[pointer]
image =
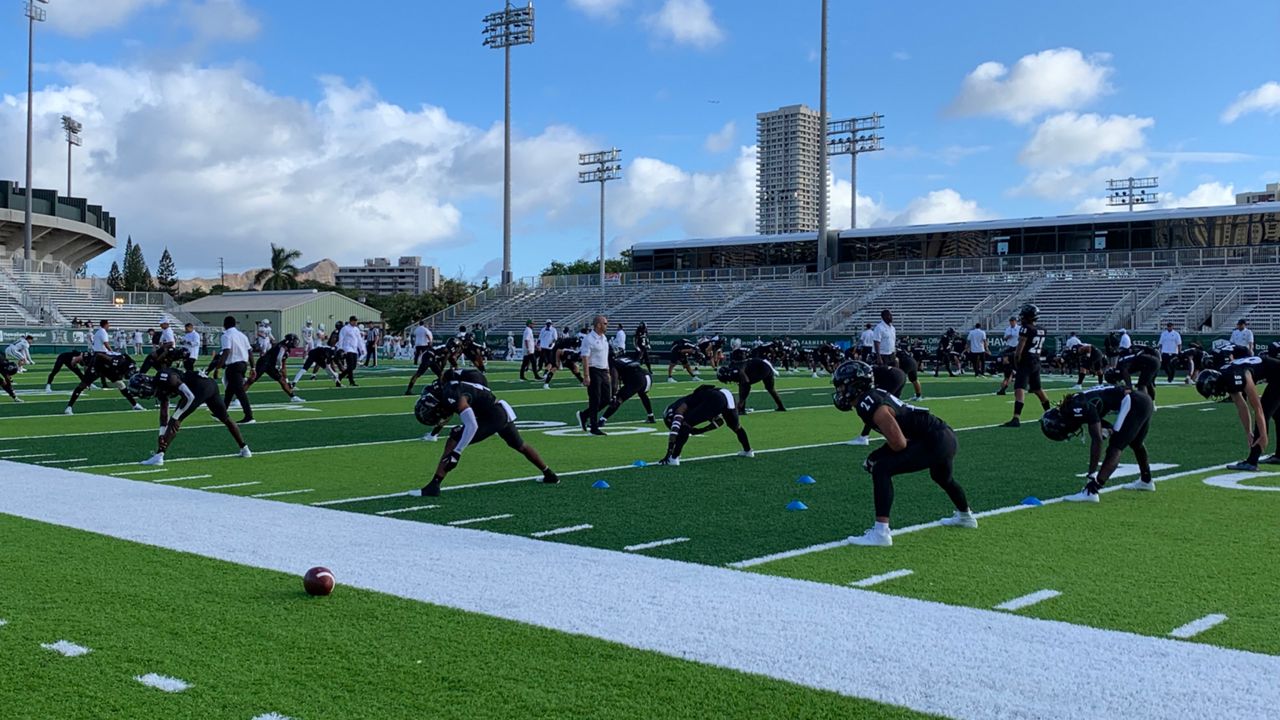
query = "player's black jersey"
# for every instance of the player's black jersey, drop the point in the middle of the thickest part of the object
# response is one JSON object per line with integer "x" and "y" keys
{"x": 113, "y": 367}
{"x": 757, "y": 369}
{"x": 322, "y": 355}
{"x": 1093, "y": 404}
{"x": 1034, "y": 347}
{"x": 682, "y": 345}
{"x": 475, "y": 377}
{"x": 274, "y": 356}
{"x": 630, "y": 372}
{"x": 489, "y": 412}
{"x": 1093, "y": 358}
{"x": 889, "y": 379}
{"x": 1137, "y": 362}
{"x": 916, "y": 422}
{"x": 1261, "y": 369}
{"x": 168, "y": 380}
{"x": 641, "y": 338}
{"x": 907, "y": 362}
{"x": 710, "y": 345}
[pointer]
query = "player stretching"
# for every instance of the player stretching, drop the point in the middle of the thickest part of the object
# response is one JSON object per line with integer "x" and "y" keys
{"x": 1142, "y": 363}
{"x": 707, "y": 404}
{"x": 1026, "y": 362}
{"x": 7, "y": 370}
{"x": 193, "y": 390}
{"x": 632, "y": 379}
{"x": 71, "y": 360}
{"x": 321, "y": 357}
{"x": 890, "y": 380}
{"x": 915, "y": 440}
{"x": 114, "y": 369}
{"x": 748, "y": 373}
{"x": 1239, "y": 380}
{"x": 272, "y": 365}
{"x": 482, "y": 415}
{"x": 1133, "y": 418}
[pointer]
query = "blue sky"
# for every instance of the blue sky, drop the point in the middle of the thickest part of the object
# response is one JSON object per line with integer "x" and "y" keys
{"x": 215, "y": 126}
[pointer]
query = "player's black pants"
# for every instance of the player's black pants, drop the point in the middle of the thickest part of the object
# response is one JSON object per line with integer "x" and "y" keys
{"x": 529, "y": 364}
{"x": 598, "y": 393}
{"x": 744, "y": 390}
{"x": 349, "y": 371}
{"x": 935, "y": 453}
{"x": 979, "y": 360}
{"x": 1168, "y": 363}
{"x": 1270, "y": 408}
{"x": 57, "y": 367}
{"x": 626, "y": 392}
{"x": 643, "y": 352}
{"x": 235, "y": 373}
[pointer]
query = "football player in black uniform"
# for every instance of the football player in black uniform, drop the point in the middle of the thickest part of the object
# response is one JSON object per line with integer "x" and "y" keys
{"x": 429, "y": 361}
{"x": 682, "y": 352}
{"x": 272, "y": 364}
{"x": 915, "y": 440}
{"x": 8, "y": 369}
{"x": 475, "y": 377}
{"x": 642, "y": 345}
{"x": 565, "y": 355}
{"x": 631, "y": 379}
{"x": 908, "y": 364}
{"x": 1089, "y": 361}
{"x": 826, "y": 357}
{"x": 749, "y": 373}
{"x": 482, "y": 416}
{"x": 1143, "y": 363}
{"x": 1239, "y": 380}
{"x": 192, "y": 389}
{"x": 1191, "y": 359}
{"x": 710, "y": 349}
{"x": 1133, "y": 418}
{"x": 323, "y": 357}
{"x": 1004, "y": 361}
{"x": 888, "y": 379}
{"x": 115, "y": 369}
{"x": 1026, "y": 362}
{"x": 685, "y": 417}
{"x": 71, "y": 360}
{"x": 944, "y": 355}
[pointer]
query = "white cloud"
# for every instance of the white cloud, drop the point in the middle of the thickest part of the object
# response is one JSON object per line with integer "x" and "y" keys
{"x": 85, "y": 17}
{"x": 687, "y": 22}
{"x": 722, "y": 139}
{"x": 1204, "y": 195}
{"x": 940, "y": 206}
{"x": 901, "y": 55}
{"x": 1058, "y": 79}
{"x": 656, "y": 194}
{"x": 214, "y": 20}
{"x": 1264, "y": 99}
{"x": 607, "y": 9}
{"x": 1066, "y": 183}
{"x": 1070, "y": 139}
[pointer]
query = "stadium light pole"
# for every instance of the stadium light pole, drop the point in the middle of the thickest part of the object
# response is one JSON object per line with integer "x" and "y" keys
{"x": 823, "y": 160}
{"x": 1133, "y": 191}
{"x": 607, "y": 167}
{"x": 510, "y": 27}
{"x": 851, "y": 137}
{"x": 73, "y": 128}
{"x": 35, "y": 14}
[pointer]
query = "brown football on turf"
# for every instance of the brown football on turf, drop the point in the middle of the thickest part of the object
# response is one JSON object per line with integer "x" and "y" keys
{"x": 318, "y": 581}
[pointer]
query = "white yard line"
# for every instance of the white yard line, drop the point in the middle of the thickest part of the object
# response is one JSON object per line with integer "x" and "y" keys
{"x": 163, "y": 682}
{"x": 877, "y": 579}
{"x": 185, "y": 477}
{"x": 741, "y": 621}
{"x": 397, "y": 511}
{"x": 136, "y": 472}
{"x": 24, "y": 457}
{"x": 231, "y": 485}
{"x": 59, "y": 462}
{"x": 560, "y": 531}
{"x": 1196, "y": 627}
{"x": 282, "y": 493}
{"x": 487, "y": 518}
{"x": 655, "y": 543}
{"x": 1027, "y": 600}
{"x": 66, "y": 648}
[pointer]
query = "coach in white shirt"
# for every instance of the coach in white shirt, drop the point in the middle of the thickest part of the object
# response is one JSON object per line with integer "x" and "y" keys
{"x": 867, "y": 344}
{"x": 978, "y": 349}
{"x": 620, "y": 341}
{"x": 234, "y": 359}
{"x": 1073, "y": 342}
{"x": 1125, "y": 341}
{"x": 1242, "y": 336}
{"x": 547, "y": 344}
{"x": 1170, "y": 348}
{"x": 138, "y": 340}
{"x": 351, "y": 345}
{"x": 192, "y": 341}
{"x": 595, "y": 358}
{"x": 422, "y": 340}
{"x": 1011, "y": 333}
{"x": 100, "y": 343}
{"x": 529, "y": 362}
{"x": 886, "y": 340}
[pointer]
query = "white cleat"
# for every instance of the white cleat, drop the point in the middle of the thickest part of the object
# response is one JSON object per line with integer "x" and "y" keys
{"x": 1084, "y": 496}
{"x": 1140, "y": 486}
{"x": 814, "y": 376}
{"x": 430, "y": 438}
{"x": 872, "y": 538}
{"x": 1077, "y": 386}
{"x": 961, "y": 520}
{"x": 245, "y": 452}
{"x": 157, "y": 459}
{"x": 296, "y": 399}
{"x": 860, "y": 440}
{"x": 48, "y": 389}
{"x": 235, "y": 405}
{"x": 68, "y": 411}
{"x": 746, "y": 453}
{"x": 672, "y": 380}
{"x": 138, "y": 407}
{"x": 546, "y": 386}
{"x": 18, "y": 399}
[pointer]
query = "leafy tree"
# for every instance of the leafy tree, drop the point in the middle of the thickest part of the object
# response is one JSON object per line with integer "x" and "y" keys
{"x": 114, "y": 278}
{"x": 192, "y": 294}
{"x": 589, "y": 267}
{"x": 282, "y": 274}
{"x": 219, "y": 289}
{"x": 137, "y": 277}
{"x": 167, "y": 274}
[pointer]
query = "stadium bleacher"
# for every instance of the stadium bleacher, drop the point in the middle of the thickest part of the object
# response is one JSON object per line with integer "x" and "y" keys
{"x": 30, "y": 298}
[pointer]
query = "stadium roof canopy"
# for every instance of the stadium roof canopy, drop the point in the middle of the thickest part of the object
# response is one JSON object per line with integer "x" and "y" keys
{"x": 63, "y": 229}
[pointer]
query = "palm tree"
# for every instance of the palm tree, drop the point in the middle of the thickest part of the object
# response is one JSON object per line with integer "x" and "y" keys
{"x": 283, "y": 274}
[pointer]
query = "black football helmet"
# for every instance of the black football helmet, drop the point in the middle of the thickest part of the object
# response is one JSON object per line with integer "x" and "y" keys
{"x": 1273, "y": 350}
{"x": 290, "y": 341}
{"x": 727, "y": 373}
{"x": 430, "y": 410}
{"x": 1055, "y": 427}
{"x": 142, "y": 385}
{"x": 1210, "y": 386}
{"x": 1113, "y": 376}
{"x": 8, "y": 367}
{"x": 1029, "y": 314}
{"x": 851, "y": 379}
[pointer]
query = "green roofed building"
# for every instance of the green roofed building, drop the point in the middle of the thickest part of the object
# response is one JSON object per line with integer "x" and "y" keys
{"x": 287, "y": 310}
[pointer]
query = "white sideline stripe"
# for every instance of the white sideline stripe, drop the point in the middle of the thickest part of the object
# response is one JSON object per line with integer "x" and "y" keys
{"x": 231, "y": 485}
{"x": 56, "y": 462}
{"x": 1028, "y": 600}
{"x": 655, "y": 543}
{"x": 136, "y": 472}
{"x": 560, "y": 531}
{"x": 751, "y": 562}
{"x": 740, "y": 621}
{"x": 487, "y": 518}
{"x": 397, "y": 511}
{"x": 22, "y": 457}
{"x": 877, "y": 579}
{"x": 163, "y": 682}
{"x": 1195, "y": 627}
{"x": 66, "y": 648}
{"x": 271, "y": 716}
{"x": 186, "y": 477}
{"x": 283, "y": 492}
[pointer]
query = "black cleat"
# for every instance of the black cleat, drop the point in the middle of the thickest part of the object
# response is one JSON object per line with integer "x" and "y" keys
{"x": 650, "y": 420}
{"x": 780, "y": 409}
{"x": 549, "y": 477}
{"x": 1013, "y": 423}
{"x": 582, "y": 420}
{"x": 431, "y": 489}
{"x": 597, "y": 431}
{"x": 1001, "y": 392}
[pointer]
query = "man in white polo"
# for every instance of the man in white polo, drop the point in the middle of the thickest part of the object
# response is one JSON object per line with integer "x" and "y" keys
{"x": 351, "y": 345}
{"x": 886, "y": 340}
{"x": 234, "y": 359}
{"x": 1170, "y": 348}
{"x": 422, "y": 340}
{"x": 595, "y": 360}
{"x": 978, "y": 349}
{"x": 1242, "y": 336}
{"x": 192, "y": 341}
{"x": 867, "y": 344}
{"x": 529, "y": 363}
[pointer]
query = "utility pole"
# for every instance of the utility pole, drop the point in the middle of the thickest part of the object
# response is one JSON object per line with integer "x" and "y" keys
{"x": 222, "y": 273}
{"x": 822, "y": 167}
{"x": 35, "y": 14}
{"x": 852, "y": 137}
{"x": 73, "y": 129}
{"x": 607, "y": 167}
{"x": 1133, "y": 191}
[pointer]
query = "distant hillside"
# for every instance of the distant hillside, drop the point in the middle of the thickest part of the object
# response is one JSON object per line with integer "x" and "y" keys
{"x": 324, "y": 271}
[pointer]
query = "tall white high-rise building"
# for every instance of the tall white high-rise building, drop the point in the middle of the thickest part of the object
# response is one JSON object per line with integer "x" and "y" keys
{"x": 787, "y": 170}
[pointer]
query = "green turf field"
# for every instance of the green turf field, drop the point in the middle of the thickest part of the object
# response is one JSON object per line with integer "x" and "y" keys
{"x": 1146, "y": 563}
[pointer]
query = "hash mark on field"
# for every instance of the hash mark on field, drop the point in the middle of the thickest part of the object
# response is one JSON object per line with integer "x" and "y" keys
{"x": 55, "y": 462}
{"x": 408, "y": 509}
{"x": 163, "y": 682}
{"x": 469, "y": 521}
{"x": 655, "y": 543}
{"x": 3, "y": 622}
{"x": 231, "y": 485}
{"x": 185, "y": 477}
{"x": 559, "y": 531}
{"x": 272, "y": 716}
{"x": 877, "y": 579}
{"x": 283, "y": 492}
{"x": 1195, "y": 627}
{"x": 136, "y": 472}
{"x": 1028, "y": 600}
{"x": 66, "y": 648}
